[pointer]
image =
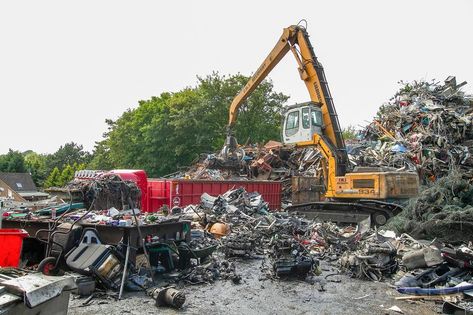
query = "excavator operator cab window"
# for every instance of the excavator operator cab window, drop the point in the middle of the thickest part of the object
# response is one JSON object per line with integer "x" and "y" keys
{"x": 292, "y": 123}
{"x": 306, "y": 118}
{"x": 317, "y": 118}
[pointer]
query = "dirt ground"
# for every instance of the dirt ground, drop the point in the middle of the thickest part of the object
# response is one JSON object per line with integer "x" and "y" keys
{"x": 257, "y": 296}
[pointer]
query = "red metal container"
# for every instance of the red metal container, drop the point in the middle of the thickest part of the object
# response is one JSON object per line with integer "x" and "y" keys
{"x": 183, "y": 192}
{"x": 11, "y": 242}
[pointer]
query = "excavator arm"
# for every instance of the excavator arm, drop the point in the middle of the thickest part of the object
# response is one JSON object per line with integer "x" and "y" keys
{"x": 296, "y": 40}
{"x": 277, "y": 53}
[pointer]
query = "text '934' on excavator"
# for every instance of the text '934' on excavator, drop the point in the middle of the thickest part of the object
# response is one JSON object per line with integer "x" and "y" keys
{"x": 350, "y": 195}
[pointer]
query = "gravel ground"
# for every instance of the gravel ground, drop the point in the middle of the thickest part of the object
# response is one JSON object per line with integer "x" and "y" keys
{"x": 256, "y": 296}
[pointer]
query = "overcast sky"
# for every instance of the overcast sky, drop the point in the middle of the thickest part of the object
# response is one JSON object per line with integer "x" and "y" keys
{"x": 67, "y": 66}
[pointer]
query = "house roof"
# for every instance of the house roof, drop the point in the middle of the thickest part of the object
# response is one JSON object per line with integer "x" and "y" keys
{"x": 33, "y": 194}
{"x": 19, "y": 182}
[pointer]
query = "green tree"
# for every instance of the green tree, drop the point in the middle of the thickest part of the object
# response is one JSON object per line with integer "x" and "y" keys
{"x": 66, "y": 176}
{"x": 78, "y": 167}
{"x": 171, "y": 130}
{"x": 100, "y": 159}
{"x": 36, "y": 165}
{"x": 68, "y": 153}
{"x": 54, "y": 179}
{"x": 12, "y": 162}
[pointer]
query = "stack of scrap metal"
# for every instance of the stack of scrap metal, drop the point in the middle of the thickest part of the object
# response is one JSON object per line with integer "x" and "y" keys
{"x": 419, "y": 269}
{"x": 444, "y": 210}
{"x": 290, "y": 258}
{"x": 273, "y": 161}
{"x": 251, "y": 231}
{"x": 107, "y": 191}
{"x": 427, "y": 126}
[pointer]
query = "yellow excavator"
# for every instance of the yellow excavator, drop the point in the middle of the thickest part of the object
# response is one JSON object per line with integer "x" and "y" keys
{"x": 351, "y": 195}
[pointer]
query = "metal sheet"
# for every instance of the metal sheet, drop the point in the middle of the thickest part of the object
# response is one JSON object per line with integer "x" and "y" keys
{"x": 8, "y": 299}
{"x": 38, "y": 288}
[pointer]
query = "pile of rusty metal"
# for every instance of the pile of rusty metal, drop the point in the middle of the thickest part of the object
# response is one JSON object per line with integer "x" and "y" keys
{"x": 242, "y": 244}
{"x": 427, "y": 126}
{"x": 246, "y": 229}
{"x": 210, "y": 271}
{"x": 290, "y": 257}
{"x": 273, "y": 161}
{"x": 373, "y": 258}
{"x": 293, "y": 247}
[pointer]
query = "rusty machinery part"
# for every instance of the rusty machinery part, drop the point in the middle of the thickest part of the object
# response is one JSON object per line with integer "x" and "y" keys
{"x": 349, "y": 212}
{"x": 168, "y": 297}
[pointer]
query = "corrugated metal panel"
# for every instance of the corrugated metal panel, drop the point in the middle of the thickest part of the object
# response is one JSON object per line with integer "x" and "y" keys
{"x": 157, "y": 193}
{"x": 185, "y": 192}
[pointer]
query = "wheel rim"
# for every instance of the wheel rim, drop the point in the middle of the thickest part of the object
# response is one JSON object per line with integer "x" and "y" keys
{"x": 380, "y": 219}
{"x": 48, "y": 268}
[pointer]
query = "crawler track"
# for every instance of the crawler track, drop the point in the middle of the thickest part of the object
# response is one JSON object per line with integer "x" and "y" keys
{"x": 349, "y": 212}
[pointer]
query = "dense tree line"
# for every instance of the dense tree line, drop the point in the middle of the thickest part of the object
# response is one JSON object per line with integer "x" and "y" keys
{"x": 163, "y": 133}
{"x": 47, "y": 170}
{"x": 171, "y": 130}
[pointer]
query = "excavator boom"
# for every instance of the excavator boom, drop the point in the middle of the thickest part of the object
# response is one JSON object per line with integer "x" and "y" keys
{"x": 296, "y": 39}
{"x": 277, "y": 53}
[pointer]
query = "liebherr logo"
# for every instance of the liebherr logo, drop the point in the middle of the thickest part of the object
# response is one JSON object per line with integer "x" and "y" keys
{"x": 317, "y": 91}
{"x": 253, "y": 78}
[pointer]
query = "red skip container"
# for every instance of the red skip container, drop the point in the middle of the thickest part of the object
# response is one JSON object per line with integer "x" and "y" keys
{"x": 11, "y": 242}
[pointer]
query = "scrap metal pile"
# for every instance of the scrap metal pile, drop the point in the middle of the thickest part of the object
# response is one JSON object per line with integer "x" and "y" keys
{"x": 426, "y": 127}
{"x": 420, "y": 269}
{"x": 245, "y": 228}
{"x": 213, "y": 269}
{"x": 291, "y": 246}
{"x": 238, "y": 225}
{"x": 273, "y": 161}
{"x": 444, "y": 211}
{"x": 107, "y": 191}
{"x": 295, "y": 247}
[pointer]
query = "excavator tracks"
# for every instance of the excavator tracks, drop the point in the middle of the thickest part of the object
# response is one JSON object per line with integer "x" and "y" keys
{"x": 379, "y": 212}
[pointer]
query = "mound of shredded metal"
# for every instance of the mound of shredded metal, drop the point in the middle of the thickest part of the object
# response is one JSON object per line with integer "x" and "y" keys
{"x": 443, "y": 210}
{"x": 107, "y": 191}
{"x": 427, "y": 126}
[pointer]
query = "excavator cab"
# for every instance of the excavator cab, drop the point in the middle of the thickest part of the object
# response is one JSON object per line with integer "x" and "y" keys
{"x": 301, "y": 122}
